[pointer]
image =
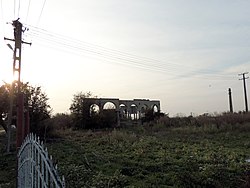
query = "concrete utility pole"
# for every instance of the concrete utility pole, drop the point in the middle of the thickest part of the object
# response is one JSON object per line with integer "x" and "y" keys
{"x": 230, "y": 100}
{"x": 18, "y": 30}
{"x": 245, "y": 90}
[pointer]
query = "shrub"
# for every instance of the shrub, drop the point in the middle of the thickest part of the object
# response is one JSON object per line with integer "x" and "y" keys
{"x": 150, "y": 116}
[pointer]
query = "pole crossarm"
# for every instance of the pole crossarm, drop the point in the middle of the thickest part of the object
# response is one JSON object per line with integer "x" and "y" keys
{"x": 13, "y": 40}
{"x": 9, "y": 39}
{"x": 243, "y": 75}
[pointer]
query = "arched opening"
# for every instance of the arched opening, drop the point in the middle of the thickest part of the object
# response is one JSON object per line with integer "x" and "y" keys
{"x": 134, "y": 112}
{"x": 109, "y": 114}
{"x": 109, "y": 106}
{"x": 122, "y": 106}
{"x": 155, "y": 108}
{"x": 94, "y": 109}
{"x": 123, "y": 111}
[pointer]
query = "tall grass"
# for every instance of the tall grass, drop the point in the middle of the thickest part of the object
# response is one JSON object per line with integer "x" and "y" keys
{"x": 202, "y": 151}
{"x": 204, "y": 123}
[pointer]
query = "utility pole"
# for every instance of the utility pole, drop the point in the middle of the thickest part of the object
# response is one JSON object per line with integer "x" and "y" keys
{"x": 245, "y": 90}
{"x": 17, "y": 52}
{"x": 230, "y": 100}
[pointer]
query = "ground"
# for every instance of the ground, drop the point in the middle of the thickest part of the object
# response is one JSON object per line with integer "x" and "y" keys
{"x": 147, "y": 156}
{"x": 154, "y": 157}
{"x": 7, "y": 164}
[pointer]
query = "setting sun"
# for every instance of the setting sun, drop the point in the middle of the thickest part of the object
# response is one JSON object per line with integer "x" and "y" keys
{"x": 6, "y": 73}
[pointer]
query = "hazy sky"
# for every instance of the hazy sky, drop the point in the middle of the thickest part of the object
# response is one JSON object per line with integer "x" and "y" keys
{"x": 185, "y": 53}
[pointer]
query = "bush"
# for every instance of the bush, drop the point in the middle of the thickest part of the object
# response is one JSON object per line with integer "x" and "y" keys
{"x": 150, "y": 116}
{"x": 107, "y": 118}
{"x": 49, "y": 128}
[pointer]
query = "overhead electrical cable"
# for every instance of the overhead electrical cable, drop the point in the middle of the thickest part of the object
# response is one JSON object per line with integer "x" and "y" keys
{"x": 86, "y": 48}
{"x": 19, "y": 6}
{"x": 128, "y": 61}
{"x": 108, "y": 55}
{"x": 27, "y": 15}
{"x": 2, "y": 13}
{"x": 96, "y": 47}
{"x": 73, "y": 45}
{"x": 2, "y": 8}
{"x": 14, "y": 9}
{"x": 118, "y": 60}
{"x": 119, "y": 57}
{"x": 2, "y": 18}
{"x": 40, "y": 16}
{"x": 75, "y": 42}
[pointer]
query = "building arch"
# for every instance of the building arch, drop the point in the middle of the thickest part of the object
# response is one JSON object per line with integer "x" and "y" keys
{"x": 123, "y": 110}
{"x": 94, "y": 109}
{"x": 109, "y": 105}
{"x": 126, "y": 109}
{"x": 155, "y": 108}
{"x": 134, "y": 111}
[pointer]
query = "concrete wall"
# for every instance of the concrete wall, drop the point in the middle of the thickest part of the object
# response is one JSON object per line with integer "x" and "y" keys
{"x": 131, "y": 109}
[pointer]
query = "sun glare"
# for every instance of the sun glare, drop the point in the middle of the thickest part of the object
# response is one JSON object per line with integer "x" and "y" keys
{"x": 6, "y": 71}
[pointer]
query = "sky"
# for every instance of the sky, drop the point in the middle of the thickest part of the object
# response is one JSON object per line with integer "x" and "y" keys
{"x": 185, "y": 53}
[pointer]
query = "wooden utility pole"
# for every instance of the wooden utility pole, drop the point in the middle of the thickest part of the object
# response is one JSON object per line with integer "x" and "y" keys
{"x": 17, "y": 52}
{"x": 245, "y": 90}
{"x": 230, "y": 100}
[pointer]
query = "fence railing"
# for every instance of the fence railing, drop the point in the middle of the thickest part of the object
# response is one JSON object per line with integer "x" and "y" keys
{"x": 35, "y": 167}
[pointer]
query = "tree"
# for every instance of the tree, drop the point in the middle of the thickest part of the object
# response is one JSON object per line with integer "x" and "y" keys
{"x": 39, "y": 109}
{"x": 61, "y": 121}
{"x": 150, "y": 115}
{"x": 85, "y": 116}
{"x": 81, "y": 109}
{"x": 4, "y": 105}
{"x": 36, "y": 103}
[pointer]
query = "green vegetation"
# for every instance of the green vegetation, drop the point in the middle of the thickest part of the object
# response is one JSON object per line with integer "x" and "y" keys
{"x": 205, "y": 151}
{"x": 36, "y": 101}
{"x": 85, "y": 116}
{"x": 155, "y": 156}
{"x": 7, "y": 164}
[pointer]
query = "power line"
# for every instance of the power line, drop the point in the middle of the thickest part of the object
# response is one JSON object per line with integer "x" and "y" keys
{"x": 144, "y": 59}
{"x": 74, "y": 42}
{"x": 2, "y": 15}
{"x": 119, "y": 57}
{"x": 39, "y": 18}
{"x": 92, "y": 46}
{"x": 28, "y": 11}
{"x": 14, "y": 9}
{"x": 2, "y": 8}
{"x": 19, "y": 6}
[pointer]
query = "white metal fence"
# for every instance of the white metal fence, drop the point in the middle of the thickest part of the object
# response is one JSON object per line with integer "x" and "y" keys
{"x": 35, "y": 167}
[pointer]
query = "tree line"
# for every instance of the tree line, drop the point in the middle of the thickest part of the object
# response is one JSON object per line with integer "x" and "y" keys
{"x": 35, "y": 101}
{"x": 82, "y": 114}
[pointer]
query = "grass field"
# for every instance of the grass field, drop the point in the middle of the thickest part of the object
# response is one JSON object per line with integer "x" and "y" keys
{"x": 154, "y": 157}
{"x": 148, "y": 156}
{"x": 7, "y": 165}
